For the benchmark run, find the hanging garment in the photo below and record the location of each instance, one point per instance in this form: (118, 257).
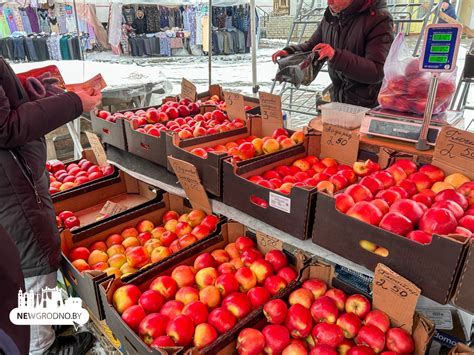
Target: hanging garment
(4, 29)
(9, 47)
(176, 43)
(88, 12)
(124, 43)
(165, 47)
(205, 33)
(33, 18)
(8, 13)
(30, 50)
(198, 26)
(132, 45)
(17, 18)
(70, 20)
(44, 21)
(164, 22)
(41, 48)
(147, 46)
(152, 15)
(64, 48)
(19, 48)
(53, 47)
(60, 13)
(25, 20)
(192, 22)
(115, 24)
(128, 15)
(54, 25)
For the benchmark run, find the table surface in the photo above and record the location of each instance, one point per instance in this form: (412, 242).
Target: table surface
(157, 176)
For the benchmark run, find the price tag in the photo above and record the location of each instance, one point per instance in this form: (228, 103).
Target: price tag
(339, 143)
(188, 90)
(97, 149)
(111, 208)
(454, 151)
(235, 105)
(191, 183)
(272, 116)
(279, 202)
(267, 243)
(442, 317)
(396, 296)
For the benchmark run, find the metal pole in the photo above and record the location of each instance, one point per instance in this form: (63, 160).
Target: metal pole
(422, 143)
(253, 29)
(209, 53)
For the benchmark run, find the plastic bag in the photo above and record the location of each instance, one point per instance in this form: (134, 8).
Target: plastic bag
(405, 87)
(299, 68)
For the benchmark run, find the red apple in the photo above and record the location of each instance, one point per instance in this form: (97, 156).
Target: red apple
(222, 319)
(420, 237)
(408, 208)
(299, 321)
(358, 304)
(396, 223)
(275, 284)
(350, 324)
(288, 274)
(467, 222)
(317, 287)
(322, 349)
(238, 304)
(227, 284)
(153, 326)
(361, 350)
(165, 285)
(438, 221)
(359, 193)
(181, 330)
(197, 311)
(453, 196)
(275, 311)
(277, 338)
(399, 341)
(132, 316)
(366, 212)
(344, 202)
(277, 259)
(390, 196)
(378, 319)
(327, 334)
(324, 309)
(250, 341)
(338, 296)
(151, 301)
(162, 342)
(371, 336)
(258, 296)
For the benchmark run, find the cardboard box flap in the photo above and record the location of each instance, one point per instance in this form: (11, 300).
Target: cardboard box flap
(268, 243)
(318, 271)
(235, 105)
(89, 155)
(191, 183)
(234, 229)
(423, 330)
(454, 151)
(97, 149)
(188, 90)
(313, 138)
(271, 111)
(396, 296)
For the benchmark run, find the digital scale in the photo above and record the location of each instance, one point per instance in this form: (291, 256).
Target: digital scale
(439, 55)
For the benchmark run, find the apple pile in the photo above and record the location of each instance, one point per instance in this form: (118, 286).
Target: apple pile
(325, 174)
(411, 202)
(198, 303)
(321, 321)
(136, 247)
(63, 177)
(68, 219)
(408, 92)
(252, 146)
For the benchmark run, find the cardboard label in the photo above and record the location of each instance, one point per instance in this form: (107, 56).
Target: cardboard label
(235, 105)
(191, 183)
(97, 149)
(441, 317)
(111, 208)
(279, 202)
(339, 143)
(272, 116)
(97, 83)
(454, 151)
(188, 90)
(169, 98)
(396, 296)
(267, 243)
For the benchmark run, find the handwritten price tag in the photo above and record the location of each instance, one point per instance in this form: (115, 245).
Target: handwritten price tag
(191, 183)
(111, 208)
(454, 151)
(97, 149)
(267, 243)
(340, 144)
(235, 105)
(270, 108)
(395, 295)
(188, 90)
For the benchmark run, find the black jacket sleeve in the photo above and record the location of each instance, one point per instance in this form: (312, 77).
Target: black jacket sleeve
(33, 120)
(367, 69)
(307, 46)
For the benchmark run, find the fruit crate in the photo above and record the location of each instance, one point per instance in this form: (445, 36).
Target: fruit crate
(464, 296)
(130, 340)
(421, 331)
(433, 267)
(86, 284)
(87, 203)
(108, 179)
(210, 168)
(112, 133)
(291, 213)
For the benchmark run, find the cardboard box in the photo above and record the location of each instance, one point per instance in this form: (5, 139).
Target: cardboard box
(464, 296)
(131, 341)
(461, 349)
(112, 133)
(420, 327)
(86, 284)
(210, 169)
(434, 267)
(290, 213)
(129, 195)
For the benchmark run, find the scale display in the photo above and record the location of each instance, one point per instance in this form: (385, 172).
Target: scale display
(440, 48)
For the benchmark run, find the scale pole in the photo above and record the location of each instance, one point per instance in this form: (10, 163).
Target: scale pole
(422, 143)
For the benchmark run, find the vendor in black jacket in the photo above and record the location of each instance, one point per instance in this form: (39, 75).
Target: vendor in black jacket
(355, 37)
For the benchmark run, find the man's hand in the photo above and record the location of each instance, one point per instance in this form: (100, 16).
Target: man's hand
(90, 99)
(279, 54)
(324, 50)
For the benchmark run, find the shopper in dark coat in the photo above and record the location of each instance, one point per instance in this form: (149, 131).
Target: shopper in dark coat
(26, 209)
(355, 37)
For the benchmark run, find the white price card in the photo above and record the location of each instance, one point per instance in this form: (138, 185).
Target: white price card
(280, 202)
